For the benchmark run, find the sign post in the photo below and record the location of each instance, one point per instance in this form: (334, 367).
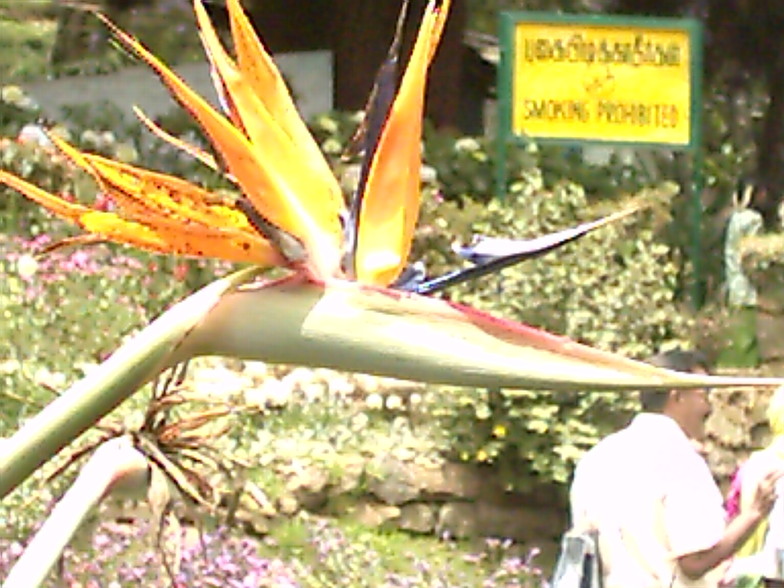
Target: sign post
(606, 80)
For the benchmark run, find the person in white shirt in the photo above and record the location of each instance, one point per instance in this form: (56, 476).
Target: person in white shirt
(761, 553)
(652, 499)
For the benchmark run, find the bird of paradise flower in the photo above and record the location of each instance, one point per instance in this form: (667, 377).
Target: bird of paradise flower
(291, 213)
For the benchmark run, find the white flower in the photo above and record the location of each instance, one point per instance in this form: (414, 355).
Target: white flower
(90, 137)
(255, 396)
(394, 402)
(256, 370)
(428, 174)
(313, 391)
(26, 266)
(327, 123)
(332, 147)
(107, 139)
(9, 366)
(340, 386)
(11, 94)
(278, 394)
(360, 421)
(33, 133)
(374, 401)
(467, 144)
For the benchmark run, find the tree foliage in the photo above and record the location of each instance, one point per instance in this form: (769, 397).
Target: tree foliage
(736, 66)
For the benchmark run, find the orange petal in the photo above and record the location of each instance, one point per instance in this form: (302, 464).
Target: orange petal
(191, 241)
(230, 142)
(155, 198)
(129, 205)
(261, 73)
(155, 233)
(301, 175)
(255, 173)
(390, 205)
(168, 196)
(62, 208)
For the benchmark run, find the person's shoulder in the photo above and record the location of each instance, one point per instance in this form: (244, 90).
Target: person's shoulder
(606, 442)
(758, 464)
(758, 461)
(602, 450)
(754, 461)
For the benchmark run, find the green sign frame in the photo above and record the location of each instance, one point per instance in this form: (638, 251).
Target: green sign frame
(508, 22)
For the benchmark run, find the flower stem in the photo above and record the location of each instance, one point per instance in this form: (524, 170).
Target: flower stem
(115, 465)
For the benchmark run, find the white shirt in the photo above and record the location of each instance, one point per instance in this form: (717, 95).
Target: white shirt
(653, 499)
(752, 472)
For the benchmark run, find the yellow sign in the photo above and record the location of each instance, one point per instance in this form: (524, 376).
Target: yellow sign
(600, 82)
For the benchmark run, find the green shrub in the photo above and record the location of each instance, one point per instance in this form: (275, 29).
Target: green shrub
(613, 289)
(71, 309)
(16, 110)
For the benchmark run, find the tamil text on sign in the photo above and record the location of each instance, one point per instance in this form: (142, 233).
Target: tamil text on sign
(599, 82)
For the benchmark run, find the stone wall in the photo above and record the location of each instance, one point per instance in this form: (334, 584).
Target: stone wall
(428, 497)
